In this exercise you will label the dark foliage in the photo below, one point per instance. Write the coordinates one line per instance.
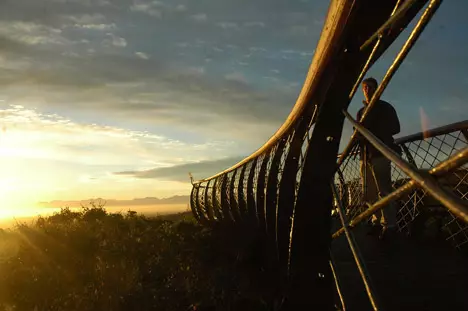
(93, 260)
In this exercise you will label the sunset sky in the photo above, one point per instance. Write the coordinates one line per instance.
(121, 99)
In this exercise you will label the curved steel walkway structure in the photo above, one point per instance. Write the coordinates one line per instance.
(291, 189)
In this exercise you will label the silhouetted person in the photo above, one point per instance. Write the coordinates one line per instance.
(383, 122)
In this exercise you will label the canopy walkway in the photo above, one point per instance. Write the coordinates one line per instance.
(305, 200)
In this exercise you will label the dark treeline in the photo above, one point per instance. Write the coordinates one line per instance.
(93, 260)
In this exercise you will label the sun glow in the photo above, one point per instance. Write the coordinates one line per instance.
(6, 210)
(11, 208)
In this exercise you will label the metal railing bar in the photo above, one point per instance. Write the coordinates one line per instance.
(393, 18)
(438, 131)
(337, 282)
(413, 37)
(354, 249)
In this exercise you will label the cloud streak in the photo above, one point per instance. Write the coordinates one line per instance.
(199, 170)
(150, 8)
(200, 17)
(142, 55)
(31, 33)
(29, 134)
(143, 89)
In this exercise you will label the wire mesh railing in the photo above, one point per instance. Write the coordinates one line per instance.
(424, 151)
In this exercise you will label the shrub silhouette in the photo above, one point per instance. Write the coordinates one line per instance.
(93, 260)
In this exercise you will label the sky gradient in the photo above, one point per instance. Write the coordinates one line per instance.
(91, 90)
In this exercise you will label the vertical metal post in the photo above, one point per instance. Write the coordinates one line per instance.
(272, 190)
(214, 200)
(357, 257)
(233, 198)
(193, 202)
(225, 199)
(208, 205)
(408, 154)
(261, 180)
(201, 213)
(251, 212)
(337, 283)
(241, 198)
(287, 188)
(363, 173)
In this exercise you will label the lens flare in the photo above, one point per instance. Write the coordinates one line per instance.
(424, 122)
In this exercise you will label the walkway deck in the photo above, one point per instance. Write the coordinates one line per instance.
(409, 274)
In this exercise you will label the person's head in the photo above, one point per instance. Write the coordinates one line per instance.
(369, 86)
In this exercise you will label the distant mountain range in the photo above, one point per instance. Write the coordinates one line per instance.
(178, 199)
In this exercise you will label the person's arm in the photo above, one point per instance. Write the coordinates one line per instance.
(358, 118)
(394, 122)
(360, 140)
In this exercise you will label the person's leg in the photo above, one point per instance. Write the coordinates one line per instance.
(369, 189)
(381, 170)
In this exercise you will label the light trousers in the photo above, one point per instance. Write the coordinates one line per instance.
(377, 183)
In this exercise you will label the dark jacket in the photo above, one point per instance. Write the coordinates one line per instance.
(383, 122)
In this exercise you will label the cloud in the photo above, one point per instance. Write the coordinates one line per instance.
(255, 24)
(289, 53)
(257, 49)
(88, 3)
(120, 42)
(142, 55)
(103, 2)
(123, 88)
(85, 19)
(95, 21)
(237, 77)
(182, 44)
(102, 27)
(228, 25)
(181, 8)
(195, 71)
(115, 41)
(32, 33)
(200, 17)
(199, 170)
(150, 8)
(71, 54)
(307, 54)
(208, 92)
(31, 134)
